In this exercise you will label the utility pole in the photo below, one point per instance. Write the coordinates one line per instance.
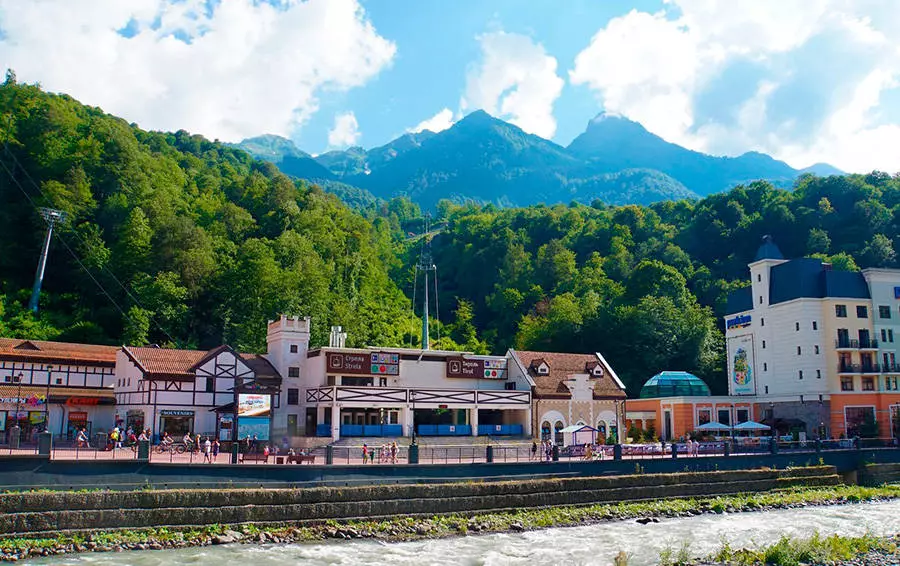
(51, 217)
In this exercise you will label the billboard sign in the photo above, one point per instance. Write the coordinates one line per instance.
(253, 426)
(375, 363)
(254, 404)
(480, 368)
(740, 321)
(741, 369)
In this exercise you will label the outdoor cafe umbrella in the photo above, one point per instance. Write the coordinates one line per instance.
(751, 425)
(712, 426)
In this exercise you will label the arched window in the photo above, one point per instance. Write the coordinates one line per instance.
(601, 429)
(545, 430)
(558, 437)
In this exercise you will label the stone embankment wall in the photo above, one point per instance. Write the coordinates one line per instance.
(879, 474)
(45, 512)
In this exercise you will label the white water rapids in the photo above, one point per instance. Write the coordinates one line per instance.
(593, 544)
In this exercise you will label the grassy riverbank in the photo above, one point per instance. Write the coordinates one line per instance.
(835, 549)
(409, 528)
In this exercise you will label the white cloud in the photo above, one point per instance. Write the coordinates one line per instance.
(516, 80)
(345, 131)
(653, 68)
(227, 70)
(437, 123)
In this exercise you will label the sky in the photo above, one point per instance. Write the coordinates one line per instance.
(806, 81)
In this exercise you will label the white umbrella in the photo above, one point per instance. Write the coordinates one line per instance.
(751, 425)
(713, 426)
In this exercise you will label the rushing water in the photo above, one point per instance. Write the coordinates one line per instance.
(594, 544)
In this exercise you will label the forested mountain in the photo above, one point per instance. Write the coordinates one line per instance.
(210, 243)
(486, 160)
(612, 143)
(197, 243)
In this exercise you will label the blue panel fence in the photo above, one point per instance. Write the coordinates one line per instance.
(500, 430)
(371, 430)
(444, 430)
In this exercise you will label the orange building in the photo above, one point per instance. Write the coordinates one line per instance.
(674, 403)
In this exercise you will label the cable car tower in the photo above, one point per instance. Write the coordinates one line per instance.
(52, 218)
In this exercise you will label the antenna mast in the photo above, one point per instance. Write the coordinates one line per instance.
(51, 217)
(425, 265)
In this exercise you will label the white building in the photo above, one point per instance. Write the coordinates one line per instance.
(55, 385)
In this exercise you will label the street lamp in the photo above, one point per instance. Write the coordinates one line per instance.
(18, 405)
(412, 394)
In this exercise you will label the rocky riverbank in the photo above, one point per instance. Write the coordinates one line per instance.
(410, 528)
(833, 550)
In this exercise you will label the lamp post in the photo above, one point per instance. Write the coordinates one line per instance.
(412, 394)
(47, 399)
(18, 406)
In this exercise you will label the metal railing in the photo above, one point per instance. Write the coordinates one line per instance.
(856, 344)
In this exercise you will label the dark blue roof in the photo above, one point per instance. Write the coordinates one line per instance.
(739, 300)
(768, 250)
(803, 278)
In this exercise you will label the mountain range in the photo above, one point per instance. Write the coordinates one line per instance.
(487, 160)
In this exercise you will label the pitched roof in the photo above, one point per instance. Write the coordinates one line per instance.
(768, 250)
(63, 352)
(165, 362)
(562, 366)
(261, 366)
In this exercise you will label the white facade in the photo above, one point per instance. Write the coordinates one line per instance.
(884, 284)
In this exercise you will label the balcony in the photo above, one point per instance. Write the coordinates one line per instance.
(890, 368)
(859, 368)
(424, 398)
(870, 344)
(854, 344)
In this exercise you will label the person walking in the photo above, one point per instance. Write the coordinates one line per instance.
(215, 450)
(394, 452)
(533, 449)
(365, 453)
(207, 451)
(81, 441)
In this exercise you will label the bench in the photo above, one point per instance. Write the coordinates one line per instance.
(300, 458)
(254, 457)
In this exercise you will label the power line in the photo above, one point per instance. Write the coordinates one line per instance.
(61, 238)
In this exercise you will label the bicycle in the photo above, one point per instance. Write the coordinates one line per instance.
(162, 448)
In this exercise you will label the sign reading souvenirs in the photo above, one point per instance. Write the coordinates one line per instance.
(176, 413)
(740, 321)
(376, 363)
(476, 368)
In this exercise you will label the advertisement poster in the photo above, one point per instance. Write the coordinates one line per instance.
(254, 405)
(476, 368)
(741, 368)
(2, 420)
(253, 426)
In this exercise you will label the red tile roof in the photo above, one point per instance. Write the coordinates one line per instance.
(62, 352)
(165, 362)
(562, 366)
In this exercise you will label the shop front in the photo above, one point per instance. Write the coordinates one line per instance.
(76, 421)
(176, 422)
(134, 420)
(25, 407)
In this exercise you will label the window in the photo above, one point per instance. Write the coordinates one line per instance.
(382, 382)
(868, 384)
(764, 344)
(843, 339)
(59, 381)
(742, 416)
(815, 325)
(759, 277)
(762, 322)
(891, 383)
(884, 312)
(799, 351)
(884, 335)
(800, 374)
(724, 416)
(884, 358)
(858, 420)
(818, 374)
(703, 416)
(890, 335)
(840, 311)
(760, 299)
(510, 385)
(210, 384)
(846, 384)
(293, 348)
(797, 326)
(862, 311)
(765, 366)
(767, 389)
(293, 396)
(816, 349)
(293, 372)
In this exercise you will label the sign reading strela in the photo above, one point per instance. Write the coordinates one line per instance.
(740, 321)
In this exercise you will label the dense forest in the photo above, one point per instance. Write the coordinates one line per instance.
(197, 244)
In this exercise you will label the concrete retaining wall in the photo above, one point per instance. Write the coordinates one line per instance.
(879, 474)
(64, 511)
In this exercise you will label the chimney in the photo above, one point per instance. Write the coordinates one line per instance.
(338, 338)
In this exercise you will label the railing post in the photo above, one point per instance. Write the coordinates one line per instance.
(413, 454)
(329, 454)
(773, 445)
(234, 452)
(726, 451)
(617, 452)
(489, 454)
(818, 446)
(555, 453)
(674, 451)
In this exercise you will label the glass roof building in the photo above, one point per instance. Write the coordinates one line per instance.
(674, 384)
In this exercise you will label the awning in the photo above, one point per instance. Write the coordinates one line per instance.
(578, 428)
(82, 397)
(713, 426)
(751, 425)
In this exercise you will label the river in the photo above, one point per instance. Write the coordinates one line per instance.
(593, 544)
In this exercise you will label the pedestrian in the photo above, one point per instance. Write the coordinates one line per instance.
(215, 449)
(394, 452)
(690, 446)
(207, 451)
(188, 442)
(81, 441)
(365, 453)
(533, 449)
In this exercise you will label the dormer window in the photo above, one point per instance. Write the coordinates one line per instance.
(594, 369)
(598, 371)
(543, 369)
(540, 367)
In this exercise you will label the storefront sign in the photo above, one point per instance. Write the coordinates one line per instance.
(35, 418)
(740, 365)
(740, 321)
(176, 413)
(252, 404)
(82, 401)
(897, 292)
(33, 400)
(376, 363)
(476, 368)
(134, 413)
(77, 417)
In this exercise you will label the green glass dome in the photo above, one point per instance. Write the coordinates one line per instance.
(674, 384)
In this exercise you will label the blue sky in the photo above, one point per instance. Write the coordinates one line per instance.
(804, 80)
